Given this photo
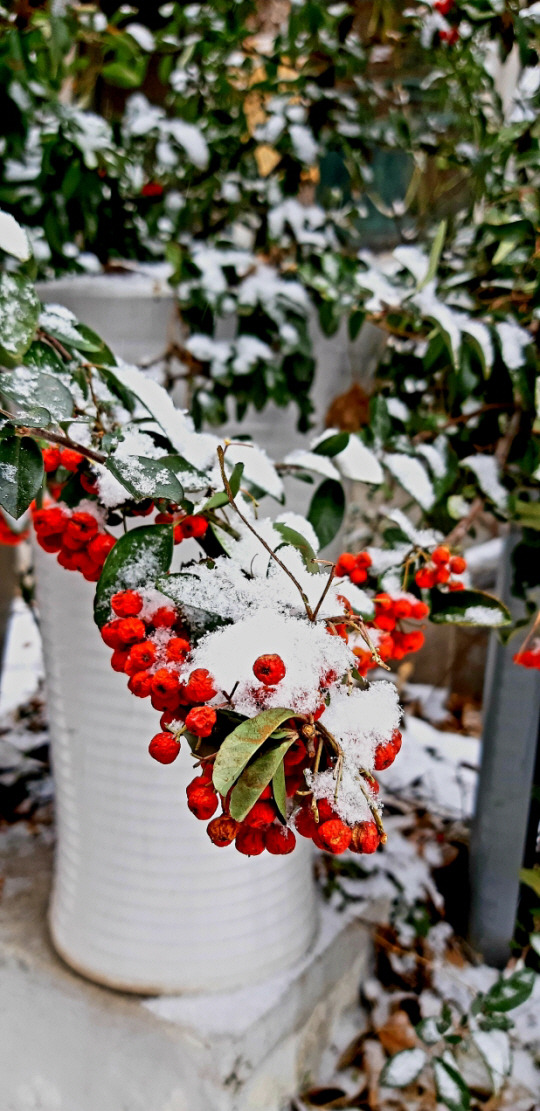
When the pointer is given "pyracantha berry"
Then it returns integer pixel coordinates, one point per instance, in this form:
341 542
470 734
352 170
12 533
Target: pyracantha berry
222 831
51 459
141 656
131 630
334 836
386 753
458 565
100 546
365 838
201 720
193 526
70 459
262 814
140 684
269 670
164 618
110 634
441 555
177 649
249 841
203 802
164 748
127 603
200 686
90 485
119 659
80 530
279 840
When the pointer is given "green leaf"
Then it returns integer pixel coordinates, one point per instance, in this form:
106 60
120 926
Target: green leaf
279 790
32 390
332 445
451 1088
147 478
296 540
403 1068
216 501
126 77
435 253
138 558
190 590
511 991
258 774
236 478
19 314
239 747
468 607
531 878
21 473
102 353
327 510
527 514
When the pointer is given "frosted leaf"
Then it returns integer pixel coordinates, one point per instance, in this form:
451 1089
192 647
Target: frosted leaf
421 538
397 409
449 1091
414 260
476 615
305 146
481 333
434 458
358 463
410 474
494 1045
13 239
403 1068
384 295
258 468
301 525
514 341
310 461
449 321
487 471
192 140
59 320
143 37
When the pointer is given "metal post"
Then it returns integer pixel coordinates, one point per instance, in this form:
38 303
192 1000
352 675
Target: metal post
510 734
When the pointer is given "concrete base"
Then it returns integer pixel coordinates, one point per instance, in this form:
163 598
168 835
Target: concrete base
68 1045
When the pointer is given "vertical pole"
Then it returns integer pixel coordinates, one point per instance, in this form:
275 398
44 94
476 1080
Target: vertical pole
509 744
8 583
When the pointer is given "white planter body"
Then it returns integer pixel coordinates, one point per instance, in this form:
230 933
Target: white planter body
142 901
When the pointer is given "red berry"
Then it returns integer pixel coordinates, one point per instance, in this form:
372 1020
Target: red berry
200 686
109 633
269 670
441 555
443 574
279 840
51 459
250 842
458 565
49 543
385 621
193 526
326 810
141 656
177 649
165 684
403 608
294 783
296 754
89 484
305 822
443 6
345 564
335 836
80 530
100 546
164 748
222 830
365 838
425 578
127 603
419 611
456 584
131 630
69 459
384 602
50 522
451 37
358 576
201 720
386 753
170 717
363 559
140 684
202 801
164 618
119 659
262 814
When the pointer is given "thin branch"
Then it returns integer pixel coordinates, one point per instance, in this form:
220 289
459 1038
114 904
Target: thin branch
55 344
230 495
56 438
329 582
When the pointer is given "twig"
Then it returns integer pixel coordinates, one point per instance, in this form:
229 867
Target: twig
230 495
56 438
325 592
55 344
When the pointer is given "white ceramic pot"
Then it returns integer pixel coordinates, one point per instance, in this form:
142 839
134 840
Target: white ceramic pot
142 901
135 313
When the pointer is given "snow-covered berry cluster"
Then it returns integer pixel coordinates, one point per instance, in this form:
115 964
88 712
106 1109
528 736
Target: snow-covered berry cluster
440 570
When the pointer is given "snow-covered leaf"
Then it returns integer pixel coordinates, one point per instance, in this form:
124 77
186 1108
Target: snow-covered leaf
494 1046
358 463
259 471
291 536
21 472
242 744
487 472
468 607
19 312
330 443
29 389
412 475
428 1031
403 1068
13 239
510 991
137 558
147 478
451 1088
435 253
63 325
514 342
310 461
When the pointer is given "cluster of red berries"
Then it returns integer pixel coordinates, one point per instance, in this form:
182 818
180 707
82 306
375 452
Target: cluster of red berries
8 537
439 570
530 657
444 7
322 824
58 460
260 830
355 567
77 537
185 526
